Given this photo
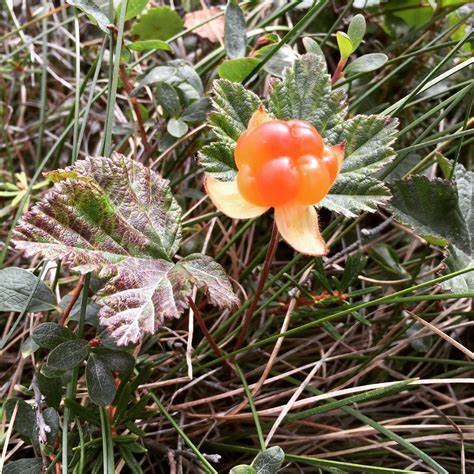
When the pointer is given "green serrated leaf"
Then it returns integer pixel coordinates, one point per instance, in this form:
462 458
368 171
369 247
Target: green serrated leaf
233 105
460 258
158 23
68 354
49 335
356 30
93 12
129 230
235 31
353 194
366 63
431 209
305 94
176 127
344 43
148 45
269 461
236 70
218 159
100 382
24 466
16 286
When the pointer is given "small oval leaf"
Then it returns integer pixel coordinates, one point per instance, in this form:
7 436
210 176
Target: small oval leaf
50 335
366 63
356 30
269 461
68 355
345 45
100 382
236 70
235 31
176 127
158 23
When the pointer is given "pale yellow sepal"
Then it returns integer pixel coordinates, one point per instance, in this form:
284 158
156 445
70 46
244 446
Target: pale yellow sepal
298 225
226 197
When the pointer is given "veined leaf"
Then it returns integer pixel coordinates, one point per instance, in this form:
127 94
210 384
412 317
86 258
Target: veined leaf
93 12
117 218
269 461
233 105
217 159
432 210
352 194
305 93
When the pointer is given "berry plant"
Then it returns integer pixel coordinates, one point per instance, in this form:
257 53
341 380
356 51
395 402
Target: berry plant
237 237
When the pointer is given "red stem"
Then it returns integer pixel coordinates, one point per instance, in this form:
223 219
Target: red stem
272 246
72 301
338 73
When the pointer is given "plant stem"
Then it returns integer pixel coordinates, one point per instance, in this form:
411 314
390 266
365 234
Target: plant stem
72 385
272 246
72 301
202 325
338 72
107 446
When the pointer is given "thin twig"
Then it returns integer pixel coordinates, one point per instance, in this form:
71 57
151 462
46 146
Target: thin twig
72 301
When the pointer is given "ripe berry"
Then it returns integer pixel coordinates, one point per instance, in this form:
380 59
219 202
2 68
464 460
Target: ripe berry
281 162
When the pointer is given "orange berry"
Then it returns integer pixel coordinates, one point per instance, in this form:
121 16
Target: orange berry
315 180
306 138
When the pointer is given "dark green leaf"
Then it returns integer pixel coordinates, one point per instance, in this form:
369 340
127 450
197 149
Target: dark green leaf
100 382
366 63
51 418
233 105
218 159
158 23
92 310
68 355
236 70
50 335
197 111
235 31
25 419
93 12
117 361
24 466
16 286
51 388
168 98
431 209
354 266
269 461
305 94
352 194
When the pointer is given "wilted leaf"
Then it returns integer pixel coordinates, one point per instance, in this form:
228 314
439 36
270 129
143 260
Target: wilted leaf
117 218
49 335
235 31
269 461
158 23
236 70
93 12
213 30
16 287
68 354
100 382
305 94
366 63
